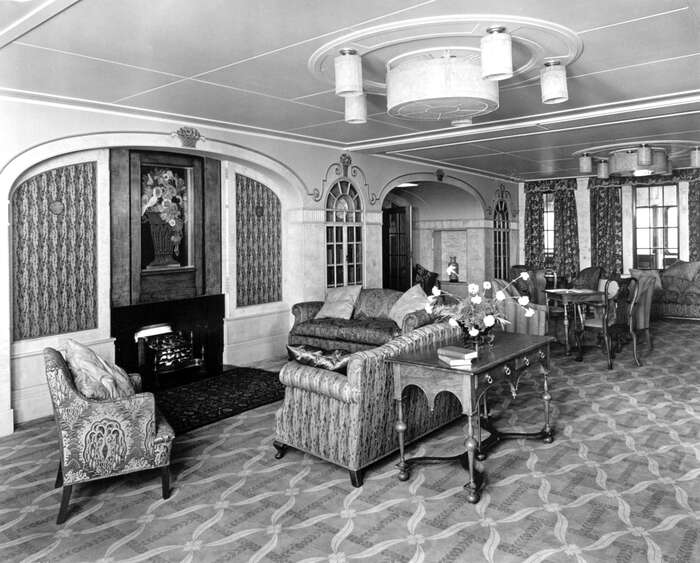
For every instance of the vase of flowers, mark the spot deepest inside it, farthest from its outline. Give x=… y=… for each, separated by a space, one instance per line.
x=478 y=313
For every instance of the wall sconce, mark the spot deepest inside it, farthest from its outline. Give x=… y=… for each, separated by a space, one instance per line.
x=496 y=54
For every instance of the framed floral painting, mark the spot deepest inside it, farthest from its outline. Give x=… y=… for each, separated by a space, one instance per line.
x=166 y=216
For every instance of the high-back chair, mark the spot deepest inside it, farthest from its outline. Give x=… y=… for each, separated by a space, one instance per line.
x=518 y=321
x=615 y=319
x=642 y=321
x=104 y=438
x=587 y=278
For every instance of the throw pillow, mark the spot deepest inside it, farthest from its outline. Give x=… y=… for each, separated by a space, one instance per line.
x=425 y=278
x=94 y=377
x=339 y=303
x=334 y=360
x=412 y=300
x=639 y=274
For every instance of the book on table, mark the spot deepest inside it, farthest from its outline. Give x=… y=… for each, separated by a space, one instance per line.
x=457 y=352
x=455 y=362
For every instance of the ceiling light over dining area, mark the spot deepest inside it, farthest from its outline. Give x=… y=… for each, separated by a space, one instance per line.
x=446 y=68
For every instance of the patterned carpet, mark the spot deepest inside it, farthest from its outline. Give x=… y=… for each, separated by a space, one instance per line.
x=207 y=400
x=620 y=482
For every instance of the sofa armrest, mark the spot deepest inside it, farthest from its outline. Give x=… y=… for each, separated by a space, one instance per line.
x=305 y=310
x=414 y=320
x=318 y=380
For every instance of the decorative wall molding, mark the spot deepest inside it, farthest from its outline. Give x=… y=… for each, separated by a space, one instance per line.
x=502 y=194
x=344 y=169
x=189 y=136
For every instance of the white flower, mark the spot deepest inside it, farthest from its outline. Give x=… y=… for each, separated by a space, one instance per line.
x=529 y=312
x=489 y=320
x=428 y=308
x=473 y=288
x=487 y=285
x=473 y=331
x=453 y=322
x=525 y=276
x=436 y=290
x=523 y=301
x=500 y=296
x=451 y=270
x=476 y=299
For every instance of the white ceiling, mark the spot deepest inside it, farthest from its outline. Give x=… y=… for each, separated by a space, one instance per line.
x=243 y=64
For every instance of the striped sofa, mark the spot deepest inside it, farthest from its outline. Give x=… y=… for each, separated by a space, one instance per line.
x=349 y=419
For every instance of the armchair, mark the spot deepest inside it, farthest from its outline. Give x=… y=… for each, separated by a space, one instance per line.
x=104 y=438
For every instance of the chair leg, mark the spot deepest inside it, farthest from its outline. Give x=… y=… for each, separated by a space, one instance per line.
x=356 y=477
x=634 y=348
x=165 y=478
x=59 y=477
x=647 y=334
x=281 y=449
x=609 y=350
x=65 y=499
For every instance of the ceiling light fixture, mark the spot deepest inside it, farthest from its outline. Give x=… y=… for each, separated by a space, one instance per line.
x=496 y=54
x=695 y=157
x=603 y=172
x=440 y=68
x=356 y=109
x=644 y=155
x=553 y=83
x=585 y=163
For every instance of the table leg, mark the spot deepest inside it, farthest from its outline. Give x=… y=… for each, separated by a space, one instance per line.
x=472 y=489
x=546 y=397
x=566 y=328
x=400 y=429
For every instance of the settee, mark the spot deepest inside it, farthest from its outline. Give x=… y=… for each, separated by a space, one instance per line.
x=348 y=419
x=369 y=326
x=677 y=290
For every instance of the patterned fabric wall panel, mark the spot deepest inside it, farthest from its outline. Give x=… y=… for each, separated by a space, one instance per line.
x=54 y=252
x=694 y=219
x=258 y=243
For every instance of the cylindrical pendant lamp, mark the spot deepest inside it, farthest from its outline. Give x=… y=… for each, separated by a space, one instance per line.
x=356 y=109
x=585 y=163
x=348 y=73
x=553 y=83
x=496 y=54
x=644 y=155
x=603 y=171
x=695 y=157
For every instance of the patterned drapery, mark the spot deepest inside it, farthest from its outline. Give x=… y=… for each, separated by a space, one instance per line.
x=606 y=225
x=566 y=251
x=258 y=243
x=566 y=255
x=54 y=266
x=694 y=218
x=534 y=229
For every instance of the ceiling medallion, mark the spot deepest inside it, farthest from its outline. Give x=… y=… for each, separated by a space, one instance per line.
x=639 y=159
x=446 y=67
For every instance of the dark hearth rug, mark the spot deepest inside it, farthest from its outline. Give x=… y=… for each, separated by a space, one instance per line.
x=202 y=402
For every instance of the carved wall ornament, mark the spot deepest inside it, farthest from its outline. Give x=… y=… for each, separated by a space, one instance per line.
x=189 y=136
x=344 y=169
x=57 y=207
x=439 y=174
x=502 y=194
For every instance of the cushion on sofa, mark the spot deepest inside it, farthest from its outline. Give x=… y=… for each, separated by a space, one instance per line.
x=425 y=278
x=683 y=270
x=95 y=378
x=340 y=302
x=375 y=303
x=364 y=331
x=334 y=360
x=414 y=299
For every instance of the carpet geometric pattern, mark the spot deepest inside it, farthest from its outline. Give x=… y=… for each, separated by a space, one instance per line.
x=202 y=402
x=620 y=482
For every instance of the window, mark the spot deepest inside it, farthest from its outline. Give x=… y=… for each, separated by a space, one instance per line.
x=548 y=221
x=501 y=240
x=343 y=235
x=656 y=226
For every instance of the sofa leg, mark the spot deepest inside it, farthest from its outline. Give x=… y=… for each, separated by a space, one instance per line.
x=65 y=499
x=165 y=481
x=281 y=449
x=356 y=477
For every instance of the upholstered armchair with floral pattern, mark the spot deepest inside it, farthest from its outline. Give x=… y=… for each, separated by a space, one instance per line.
x=104 y=438
x=349 y=419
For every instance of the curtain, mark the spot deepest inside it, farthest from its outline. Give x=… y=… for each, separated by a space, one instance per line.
x=606 y=225
x=534 y=229
x=694 y=218
x=566 y=258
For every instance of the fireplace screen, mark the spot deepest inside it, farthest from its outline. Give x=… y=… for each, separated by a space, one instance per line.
x=166 y=201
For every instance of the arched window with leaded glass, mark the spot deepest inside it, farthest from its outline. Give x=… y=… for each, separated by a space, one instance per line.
x=343 y=235
x=501 y=238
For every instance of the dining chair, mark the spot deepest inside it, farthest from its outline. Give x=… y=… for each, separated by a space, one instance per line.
x=614 y=321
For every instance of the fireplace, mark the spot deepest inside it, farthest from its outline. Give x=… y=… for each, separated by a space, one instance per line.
x=199 y=319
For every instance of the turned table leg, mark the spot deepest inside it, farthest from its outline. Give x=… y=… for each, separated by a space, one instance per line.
x=401 y=429
x=472 y=490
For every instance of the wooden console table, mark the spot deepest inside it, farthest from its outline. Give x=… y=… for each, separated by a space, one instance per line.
x=507 y=361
